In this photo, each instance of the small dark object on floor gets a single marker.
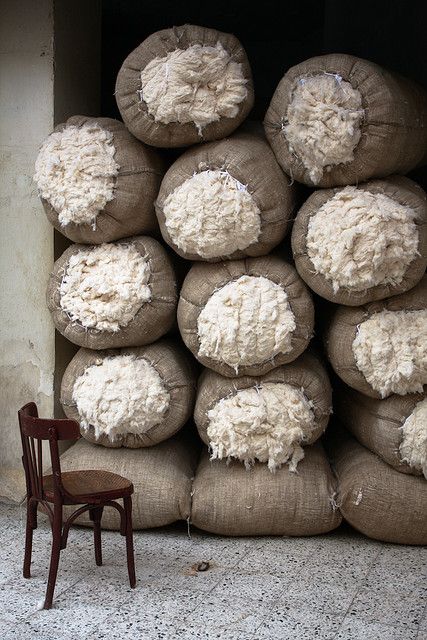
(201, 566)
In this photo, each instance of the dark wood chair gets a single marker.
(92, 489)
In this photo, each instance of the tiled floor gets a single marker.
(341, 586)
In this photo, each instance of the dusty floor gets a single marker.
(337, 586)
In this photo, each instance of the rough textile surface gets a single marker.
(123, 394)
(212, 214)
(248, 321)
(413, 448)
(75, 172)
(390, 350)
(104, 286)
(266, 423)
(200, 84)
(359, 239)
(322, 123)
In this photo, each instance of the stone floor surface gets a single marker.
(339, 586)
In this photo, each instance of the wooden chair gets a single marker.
(93, 489)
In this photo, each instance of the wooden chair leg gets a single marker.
(96, 515)
(30, 526)
(129, 541)
(54, 558)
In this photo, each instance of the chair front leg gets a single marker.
(30, 526)
(96, 515)
(127, 502)
(54, 558)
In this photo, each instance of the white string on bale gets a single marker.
(103, 287)
(245, 322)
(390, 349)
(75, 172)
(212, 214)
(199, 85)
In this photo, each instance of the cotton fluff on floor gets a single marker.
(248, 321)
(120, 395)
(359, 239)
(76, 171)
(322, 124)
(266, 423)
(390, 350)
(200, 84)
(413, 448)
(212, 214)
(104, 286)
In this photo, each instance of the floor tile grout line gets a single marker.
(357, 592)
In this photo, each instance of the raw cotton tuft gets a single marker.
(121, 395)
(104, 286)
(322, 123)
(266, 423)
(76, 172)
(212, 214)
(359, 239)
(248, 321)
(413, 448)
(390, 350)
(200, 84)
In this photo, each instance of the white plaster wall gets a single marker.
(26, 237)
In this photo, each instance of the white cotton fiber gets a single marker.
(390, 350)
(76, 171)
(359, 239)
(200, 84)
(413, 448)
(323, 121)
(212, 214)
(248, 321)
(267, 423)
(120, 395)
(104, 286)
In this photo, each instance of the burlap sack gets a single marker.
(152, 320)
(306, 373)
(204, 279)
(176, 372)
(342, 329)
(161, 476)
(230, 500)
(393, 129)
(402, 190)
(249, 159)
(131, 211)
(375, 498)
(134, 110)
(377, 424)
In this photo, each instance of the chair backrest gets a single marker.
(33, 431)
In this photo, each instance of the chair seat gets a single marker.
(89, 486)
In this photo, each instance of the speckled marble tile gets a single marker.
(291, 624)
(355, 629)
(254, 587)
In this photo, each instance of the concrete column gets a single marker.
(38, 41)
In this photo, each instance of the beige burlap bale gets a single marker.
(256, 311)
(141, 399)
(364, 256)
(395, 358)
(387, 427)
(231, 500)
(225, 200)
(92, 323)
(337, 120)
(285, 410)
(185, 85)
(161, 476)
(376, 499)
(92, 203)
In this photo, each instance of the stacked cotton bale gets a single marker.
(336, 121)
(245, 311)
